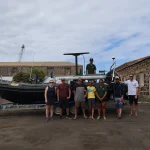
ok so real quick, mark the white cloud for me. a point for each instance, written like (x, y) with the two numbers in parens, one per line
(50, 28)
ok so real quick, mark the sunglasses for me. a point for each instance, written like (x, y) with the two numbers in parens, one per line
(51, 82)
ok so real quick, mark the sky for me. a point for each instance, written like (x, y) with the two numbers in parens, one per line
(48, 29)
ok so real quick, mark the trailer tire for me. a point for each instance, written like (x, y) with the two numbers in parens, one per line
(72, 109)
(57, 110)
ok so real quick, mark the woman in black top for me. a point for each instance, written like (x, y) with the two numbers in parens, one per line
(50, 97)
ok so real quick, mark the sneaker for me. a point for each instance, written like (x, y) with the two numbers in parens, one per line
(98, 117)
(67, 117)
(52, 118)
(47, 119)
(104, 118)
(60, 117)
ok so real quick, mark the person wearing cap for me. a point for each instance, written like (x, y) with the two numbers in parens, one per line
(132, 94)
(50, 98)
(63, 96)
(90, 68)
(118, 91)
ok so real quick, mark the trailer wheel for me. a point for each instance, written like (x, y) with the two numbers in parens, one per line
(57, 110)
(72, 109)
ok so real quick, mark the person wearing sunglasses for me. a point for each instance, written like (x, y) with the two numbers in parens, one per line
(101, 93)
(118, 90)
(50, 98)
(132, 94)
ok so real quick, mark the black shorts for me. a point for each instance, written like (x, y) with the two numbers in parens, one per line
(63, 102)
(132, 99)
(50, 102)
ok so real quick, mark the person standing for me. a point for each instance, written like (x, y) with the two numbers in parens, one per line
(118, 90)
(90, 68)
(91, 99)
(63, 96)
(80, 93)
(133, 94)
(50, 98)
(101, 93)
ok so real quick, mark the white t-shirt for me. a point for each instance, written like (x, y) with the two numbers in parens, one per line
(132, 85)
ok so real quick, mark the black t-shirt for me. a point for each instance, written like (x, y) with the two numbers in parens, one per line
(91, 68)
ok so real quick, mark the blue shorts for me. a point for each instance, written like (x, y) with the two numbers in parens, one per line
(118, 102)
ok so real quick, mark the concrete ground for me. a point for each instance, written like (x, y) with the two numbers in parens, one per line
(27, 130)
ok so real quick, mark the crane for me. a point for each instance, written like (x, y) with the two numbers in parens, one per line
(22, 49)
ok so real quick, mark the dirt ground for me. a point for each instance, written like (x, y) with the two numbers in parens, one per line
(27, 130)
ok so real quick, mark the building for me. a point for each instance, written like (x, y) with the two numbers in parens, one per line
(140, 68)
(58, 68)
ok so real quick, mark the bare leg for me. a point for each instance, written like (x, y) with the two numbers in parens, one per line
(131, 109)
(47, 111)
(104, 108)
(76, 113)
(61, 111)
(120, 112)
(136, 110)
(90, 110)
(92, 113)
(52, 111)
(67, 111)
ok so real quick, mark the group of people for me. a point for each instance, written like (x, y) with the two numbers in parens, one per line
(93, 93)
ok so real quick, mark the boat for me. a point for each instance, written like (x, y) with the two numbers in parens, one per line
(26, 93)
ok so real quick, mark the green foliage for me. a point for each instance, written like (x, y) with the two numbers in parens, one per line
(24, 77)
(21, 77)
(40, 72)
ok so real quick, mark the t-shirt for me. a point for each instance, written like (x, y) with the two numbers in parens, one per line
(63, 90)
(91, 91)
(101, 90)
(91, 68)
(79, 92)
(132, 85)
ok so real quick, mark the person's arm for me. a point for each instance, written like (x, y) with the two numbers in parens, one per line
(58, 93)
(85, 92)
(137, 90)
(45, 94)
(69, 92)
(122, 92)
(105, 93)
(97, 95)
(55, 90)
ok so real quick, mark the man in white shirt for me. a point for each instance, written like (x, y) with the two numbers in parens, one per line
(133, 94)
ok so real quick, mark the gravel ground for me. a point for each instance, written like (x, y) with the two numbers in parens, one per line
(27, 130)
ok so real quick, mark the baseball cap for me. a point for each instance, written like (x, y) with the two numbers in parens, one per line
(130, 75)
(116, 77)
(91, 59)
